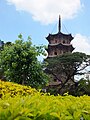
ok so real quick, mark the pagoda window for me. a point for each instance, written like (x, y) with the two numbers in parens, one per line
(63, 41)
(55, 53)
(50, 41)
(55, 41)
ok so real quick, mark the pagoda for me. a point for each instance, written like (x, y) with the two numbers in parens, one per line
(59, 43)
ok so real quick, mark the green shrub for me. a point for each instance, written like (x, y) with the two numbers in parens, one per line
(43, 107)
(38, 106)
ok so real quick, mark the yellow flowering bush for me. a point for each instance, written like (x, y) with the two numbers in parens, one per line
(13, 89)
(43, 106)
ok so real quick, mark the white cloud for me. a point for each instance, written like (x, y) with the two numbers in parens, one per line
(81, 44)
(46, 11)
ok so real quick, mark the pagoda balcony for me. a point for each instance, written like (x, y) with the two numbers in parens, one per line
(59, 44)
(52, 56)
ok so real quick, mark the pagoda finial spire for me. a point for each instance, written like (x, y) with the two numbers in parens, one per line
(59, 25)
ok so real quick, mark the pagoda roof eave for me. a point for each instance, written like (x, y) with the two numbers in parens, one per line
(59, 34)
(64, 45)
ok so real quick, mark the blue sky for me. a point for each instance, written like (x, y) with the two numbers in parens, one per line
(38, 18)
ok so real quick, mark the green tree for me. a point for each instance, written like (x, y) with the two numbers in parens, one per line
(20, 64)
(64, 67)
(82, 88)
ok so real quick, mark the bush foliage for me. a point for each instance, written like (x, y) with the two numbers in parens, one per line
(9, 89)
(38, 106)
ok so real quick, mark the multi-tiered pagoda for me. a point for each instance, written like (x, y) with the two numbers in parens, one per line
(59, 43)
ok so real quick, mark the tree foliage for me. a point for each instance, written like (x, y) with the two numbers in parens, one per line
(68, 65)
(82, 88)
(20, 64)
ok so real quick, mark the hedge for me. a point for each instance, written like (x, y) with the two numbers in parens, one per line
(40, 106)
